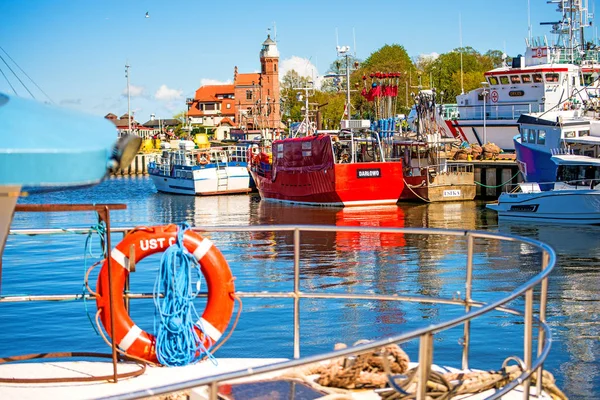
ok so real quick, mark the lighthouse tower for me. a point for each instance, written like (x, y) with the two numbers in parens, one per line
(269, 83)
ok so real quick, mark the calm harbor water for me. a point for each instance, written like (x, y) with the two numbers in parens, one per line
(374, 263)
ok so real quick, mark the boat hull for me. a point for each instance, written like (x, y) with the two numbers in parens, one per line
(451, 188)
(355, 184)
(499, 132)
(578, 207)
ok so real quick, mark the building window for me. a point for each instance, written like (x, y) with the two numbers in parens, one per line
(268, 92)
(248, 94)
(275, 67)
(228, 106)
(209, 107)
(263, 68)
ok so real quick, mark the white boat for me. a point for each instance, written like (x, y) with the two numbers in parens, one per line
(201, 172)
(573, 199)
(549, 75)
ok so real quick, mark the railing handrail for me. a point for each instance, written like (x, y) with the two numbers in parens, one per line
(480, 308)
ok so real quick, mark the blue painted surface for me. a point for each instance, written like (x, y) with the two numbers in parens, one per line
(43, 145)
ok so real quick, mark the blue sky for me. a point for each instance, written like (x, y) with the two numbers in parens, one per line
(76, 50)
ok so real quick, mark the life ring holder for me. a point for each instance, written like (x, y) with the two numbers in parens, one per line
(143, 242)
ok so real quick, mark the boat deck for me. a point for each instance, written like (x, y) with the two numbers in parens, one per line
(155, 377)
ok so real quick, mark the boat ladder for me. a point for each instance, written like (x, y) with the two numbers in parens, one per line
(222, 177)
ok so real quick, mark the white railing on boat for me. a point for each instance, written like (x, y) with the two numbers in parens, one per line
(472, 307)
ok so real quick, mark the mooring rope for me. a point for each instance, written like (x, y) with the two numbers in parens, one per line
(100, 230)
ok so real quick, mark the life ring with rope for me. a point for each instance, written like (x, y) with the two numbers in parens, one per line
(130, 338)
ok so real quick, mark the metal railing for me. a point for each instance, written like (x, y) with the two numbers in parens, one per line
(472, 307)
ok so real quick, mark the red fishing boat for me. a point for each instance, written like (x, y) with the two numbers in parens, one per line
(348, 169)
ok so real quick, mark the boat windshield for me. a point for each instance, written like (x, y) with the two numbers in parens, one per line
(573, 173)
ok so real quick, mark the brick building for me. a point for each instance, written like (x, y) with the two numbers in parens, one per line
(250, 104)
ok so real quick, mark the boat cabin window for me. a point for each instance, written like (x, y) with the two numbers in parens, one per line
(541, 139)
(577, 173)
(493, 80)
(537, 78)
(588, 79)
(526, 78)
(569, 134)
(515, 79)
(524, 134)
(532, 135)
(504, 80)
(584, 132)
(552, 77)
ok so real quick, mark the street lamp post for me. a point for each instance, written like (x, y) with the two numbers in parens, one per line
(128, 100)
(484, 93)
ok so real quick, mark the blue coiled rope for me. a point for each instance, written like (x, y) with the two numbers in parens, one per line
(177, 342)
(100, 230)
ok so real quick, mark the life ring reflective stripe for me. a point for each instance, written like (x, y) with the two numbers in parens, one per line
(219, 306)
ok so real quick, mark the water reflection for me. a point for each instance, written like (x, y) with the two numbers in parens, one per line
(574, 300)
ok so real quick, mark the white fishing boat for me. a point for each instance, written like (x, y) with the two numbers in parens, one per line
(551, 74)
(201, 172)
(574, 198)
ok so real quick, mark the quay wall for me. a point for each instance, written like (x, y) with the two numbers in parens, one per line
(492, 177)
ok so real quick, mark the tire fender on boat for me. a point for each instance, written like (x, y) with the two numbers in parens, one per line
(147, 241)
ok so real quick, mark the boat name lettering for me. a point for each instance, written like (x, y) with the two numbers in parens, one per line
(452, 193)
(524, 208)
(153, 244)
(516, 93)
(368, 173)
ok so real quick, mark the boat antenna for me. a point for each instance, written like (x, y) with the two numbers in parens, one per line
(528, 21)
(462, 86)
(354, 37)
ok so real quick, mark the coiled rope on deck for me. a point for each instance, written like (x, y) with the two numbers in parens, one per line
(177, 342)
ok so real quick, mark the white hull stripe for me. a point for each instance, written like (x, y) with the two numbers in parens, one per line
(202, 249)
(120, 258)
(130, 338)
(209, 329)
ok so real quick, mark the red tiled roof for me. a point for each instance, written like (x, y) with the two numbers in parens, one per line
(246, 79)
(210, 92)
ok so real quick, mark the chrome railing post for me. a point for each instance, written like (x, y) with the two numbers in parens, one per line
(468, 289)
(296, 293)
(542, 317)
(425, 360)
(528, 339)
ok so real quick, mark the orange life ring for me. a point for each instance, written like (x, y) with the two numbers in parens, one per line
(219, 307)
(203, 158)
